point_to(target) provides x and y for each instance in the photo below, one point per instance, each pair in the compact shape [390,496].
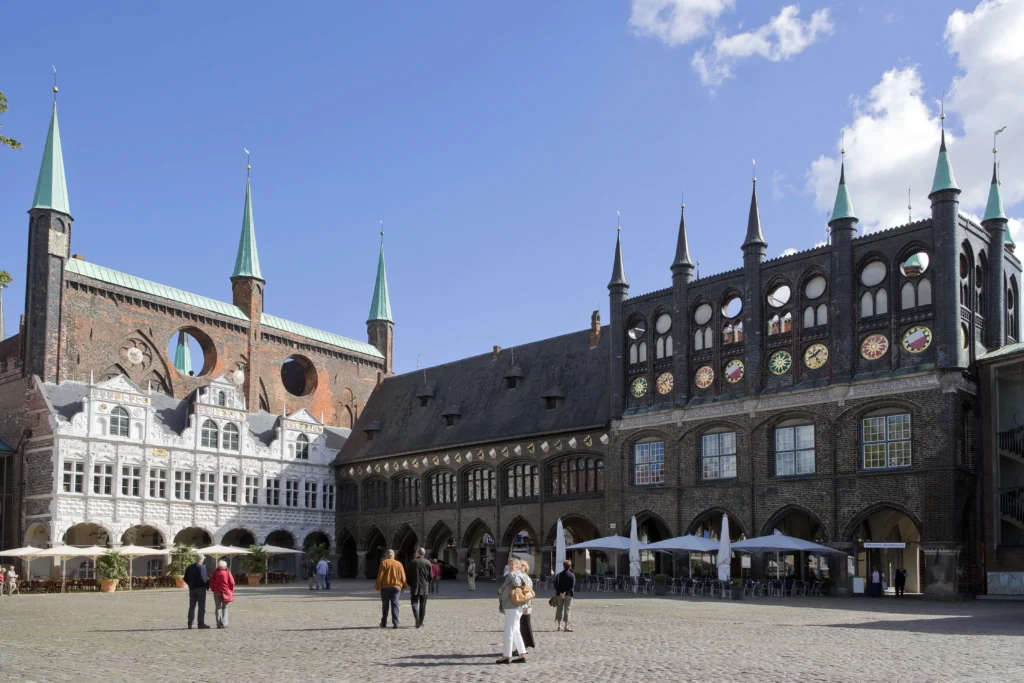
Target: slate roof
[490,411]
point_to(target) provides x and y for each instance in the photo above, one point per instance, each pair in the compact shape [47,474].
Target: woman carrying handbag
[525,626]
[512,595]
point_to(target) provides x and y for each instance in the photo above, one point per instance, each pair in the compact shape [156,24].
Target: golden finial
[753,164]
[618,225]
[942,110]
[682,201]
[381,229]
[842,146]
[248,167]
[54,83]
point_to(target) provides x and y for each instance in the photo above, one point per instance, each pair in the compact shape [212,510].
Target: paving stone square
[287,633]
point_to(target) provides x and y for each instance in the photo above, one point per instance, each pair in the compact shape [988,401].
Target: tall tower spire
[682,274]
[754,234]
[247,262]
[844,206]
[247,291]
[754,248]
[682,242]
[943,179]
[842,227]
[183,355]
[380,327]
[52,186]
[995,223]
[618,267]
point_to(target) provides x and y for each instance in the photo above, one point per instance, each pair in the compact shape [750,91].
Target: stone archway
[709,524]
[440,543]
[891,525]
[480,546]
[577,529]
[376,546]
[147,537]
[348,557]
[522,540]
[238,538]
[405,545]
[312,539]
[651,528]
[195,536]
[798,522]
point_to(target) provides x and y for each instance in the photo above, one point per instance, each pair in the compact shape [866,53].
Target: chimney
[595,328]
[495,352]
[78,257]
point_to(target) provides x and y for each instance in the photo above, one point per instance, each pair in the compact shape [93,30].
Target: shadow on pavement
[958,625]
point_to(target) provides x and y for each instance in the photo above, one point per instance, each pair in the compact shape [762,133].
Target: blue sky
[496,141]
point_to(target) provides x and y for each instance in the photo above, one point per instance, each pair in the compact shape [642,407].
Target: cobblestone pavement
[288,633]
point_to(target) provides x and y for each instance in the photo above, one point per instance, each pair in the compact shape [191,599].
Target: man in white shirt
[321,574]
[876,583]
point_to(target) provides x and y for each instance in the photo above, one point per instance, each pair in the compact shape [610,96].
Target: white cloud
[782,38]
[676,22]
[892,142]
[788,252]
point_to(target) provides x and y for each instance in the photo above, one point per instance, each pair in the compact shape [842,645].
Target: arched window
[230,438]
[727,335]
[643,352]
[874,300]
[441,488]
[375,495]
[908,297]
[773,325]
[118,422]
[659,347]
[809,317]
[576,476]
[522,481]
[407,493]
[668,344]
[479,485]
[209,435]
[221,399]
[708,338]
[302,447]
[698,340]
[823,314]
[881,301]
[348,497]
[1012,302]
[663,343]
[924,292]
[634,356]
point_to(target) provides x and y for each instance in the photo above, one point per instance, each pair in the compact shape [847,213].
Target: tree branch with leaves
[4,141]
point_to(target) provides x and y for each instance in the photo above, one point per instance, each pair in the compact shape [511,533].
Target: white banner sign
[885,545]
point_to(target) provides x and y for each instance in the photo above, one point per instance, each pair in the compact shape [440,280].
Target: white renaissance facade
[134,466]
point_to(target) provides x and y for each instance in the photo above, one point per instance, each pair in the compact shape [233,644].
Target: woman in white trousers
[513,612]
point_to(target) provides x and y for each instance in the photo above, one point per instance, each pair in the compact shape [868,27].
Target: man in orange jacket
[390,582]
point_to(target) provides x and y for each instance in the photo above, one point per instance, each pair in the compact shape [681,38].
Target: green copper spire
[944,179]
[52,187]
[183,356]
[994,208]
[844,206]
[247,263]
[380,307]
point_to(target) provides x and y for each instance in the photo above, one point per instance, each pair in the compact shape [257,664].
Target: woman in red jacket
[222,585]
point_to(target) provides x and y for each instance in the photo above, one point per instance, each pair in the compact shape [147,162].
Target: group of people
[8,581]
[221,584]
[320,575]
[899,581]
[515,598]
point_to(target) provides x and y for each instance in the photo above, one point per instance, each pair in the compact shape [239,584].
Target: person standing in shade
[565,581]
[900,582]
[419,585]
[321,574]
[197,581]
[876,583]
[222,585]
[390,582]
[435,577]
[471,574]
[327,576]
[525,626]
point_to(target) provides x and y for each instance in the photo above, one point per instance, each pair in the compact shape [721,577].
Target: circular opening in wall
[915,265]
[872,274]
[732,307]
[191,351]
[779,296]
[663,324]
[298,376]
[702,314]
[815,287]
[637,331]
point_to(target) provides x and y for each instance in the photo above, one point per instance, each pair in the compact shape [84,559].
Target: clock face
[917,339]
[734,371]
[638,387]
[874,346]
[815,356]
[704,377]
[664,383]
[780,362]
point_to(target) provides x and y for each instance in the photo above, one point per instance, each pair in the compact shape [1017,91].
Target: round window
[663,324]
[298,375]
[872,274]
[915,265]
[702,314]
[732,307]
[815,287]
[779,296]
[637,331]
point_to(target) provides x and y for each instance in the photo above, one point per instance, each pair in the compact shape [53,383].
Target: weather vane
[618,225]
[54,83]
[842,147]
[942,110]
[682,199]
[381,228]
[248,166]
[994,148]
[910,208]
[753,165]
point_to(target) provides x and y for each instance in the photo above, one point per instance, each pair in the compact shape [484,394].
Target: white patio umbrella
[688,544]
[559,544]
[133,551]
[219,551]
[724,551]
[634,554]
[780,543]
[64,552]
[613,544]
[278,550]
[26,553]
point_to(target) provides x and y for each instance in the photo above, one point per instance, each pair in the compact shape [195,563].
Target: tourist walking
[12,581]
[876,583]
[565,581]
[471,574]
[197,581]
[321,574]
[525,625]
[435,577]
[390,582]
[511,605]
[900,582]
[420,576]
[222,585]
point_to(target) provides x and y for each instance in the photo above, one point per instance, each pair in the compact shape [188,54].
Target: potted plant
[660,587]
[111,567]
[255,564]
[182,555]
[737,588]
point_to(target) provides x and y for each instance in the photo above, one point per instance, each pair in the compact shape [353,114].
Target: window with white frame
[328,497]
[207,486]
[103,479]
[157,483]
[74,476]
[209,435]
[718,455]
[794,450]
[273,492]
[131,481]
[155,567]
[252,490]
[310,494]
[182,485]
[302,447]
[229,488]
[221,399]
[886,441]
[291,493]
[118,422]
[648,463]
[229,440]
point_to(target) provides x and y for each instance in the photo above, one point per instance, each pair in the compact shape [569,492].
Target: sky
[497,142]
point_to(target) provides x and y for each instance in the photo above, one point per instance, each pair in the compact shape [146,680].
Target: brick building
[234,448]
[826,394]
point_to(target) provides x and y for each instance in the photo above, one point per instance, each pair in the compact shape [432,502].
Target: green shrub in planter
[182,555]
[256,561]
[659,578]
[317,552]
[111,566]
